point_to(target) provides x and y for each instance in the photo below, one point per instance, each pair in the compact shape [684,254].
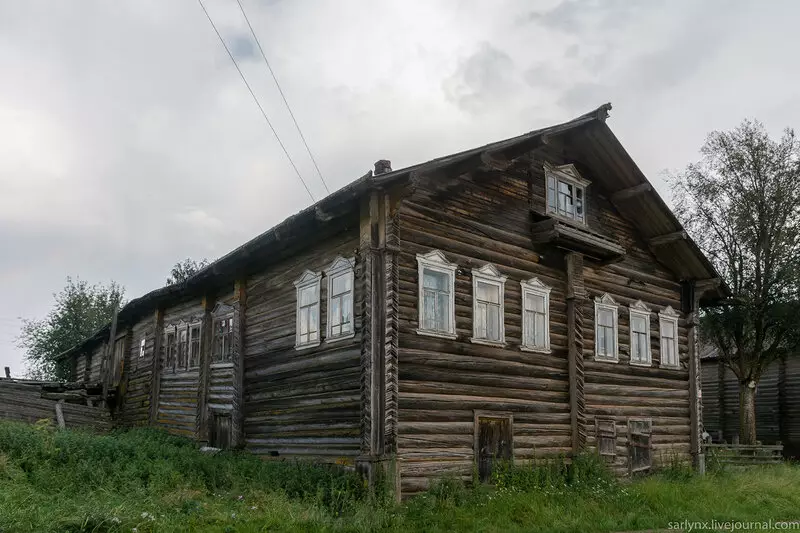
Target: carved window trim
[569,176]
[669,316]
[489,275]
[606,303]
[340,267]
[222,314]
[173,357]
[435,261]
[639,310]
[536,288]
[309,280]
[606,436]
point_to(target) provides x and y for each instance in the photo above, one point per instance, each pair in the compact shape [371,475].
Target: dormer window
[566,192]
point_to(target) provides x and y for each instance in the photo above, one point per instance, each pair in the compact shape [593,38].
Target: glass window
[669,341]
[223,339]
[183,348]
[535,315]
[436,301]
[308,309]
[142,345]
[340,298]
[565,193]
[487,311]
[194,346]
[640,333]
[605,315]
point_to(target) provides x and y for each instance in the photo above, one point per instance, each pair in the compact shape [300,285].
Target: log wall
[135,391]
[178,394]
[301,403]
[21,401]
[485,218]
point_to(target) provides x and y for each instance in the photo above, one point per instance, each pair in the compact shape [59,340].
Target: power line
[278,85]
[255,99]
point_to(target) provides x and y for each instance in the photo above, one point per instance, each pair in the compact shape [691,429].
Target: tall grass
[142,479]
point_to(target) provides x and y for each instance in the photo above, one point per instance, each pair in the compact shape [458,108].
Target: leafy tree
[741,202]
[80,310]
[185,269]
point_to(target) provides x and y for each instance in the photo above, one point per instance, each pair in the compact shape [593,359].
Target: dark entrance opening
[493,442]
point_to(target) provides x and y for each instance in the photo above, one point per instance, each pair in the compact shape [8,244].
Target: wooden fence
[743,454]
[25,401]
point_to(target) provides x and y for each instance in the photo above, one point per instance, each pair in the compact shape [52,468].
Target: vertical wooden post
[576,295]
[373,391]
[155,377]
[721,397]
[60,415]
[783,409]
[106,372]
[690,304]
[206,345]
[237,357]
[8,372]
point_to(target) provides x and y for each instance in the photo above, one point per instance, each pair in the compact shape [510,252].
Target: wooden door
[220,431]
[493,443]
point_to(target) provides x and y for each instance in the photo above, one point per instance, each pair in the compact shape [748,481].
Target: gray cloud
[128,142]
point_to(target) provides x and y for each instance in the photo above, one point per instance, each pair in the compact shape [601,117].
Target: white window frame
[639,309]
[606,303]
[308,279]
[566,174]
[142,346]
[339,267]
[489,275]
[222,313]
[669,315]
[535,287]
[437,262]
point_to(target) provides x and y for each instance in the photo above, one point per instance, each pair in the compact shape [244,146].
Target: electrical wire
[285,101]
[255,99]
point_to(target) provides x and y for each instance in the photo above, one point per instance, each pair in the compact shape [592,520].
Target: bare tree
[741,203]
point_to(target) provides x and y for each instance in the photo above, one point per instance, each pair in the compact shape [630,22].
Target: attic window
[566,192]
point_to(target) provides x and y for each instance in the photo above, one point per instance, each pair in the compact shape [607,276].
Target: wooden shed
[777,402]
[527,298]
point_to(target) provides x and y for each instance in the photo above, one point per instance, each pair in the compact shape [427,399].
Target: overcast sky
[128,141]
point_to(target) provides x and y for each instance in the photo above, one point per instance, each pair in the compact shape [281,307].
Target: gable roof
[631,194]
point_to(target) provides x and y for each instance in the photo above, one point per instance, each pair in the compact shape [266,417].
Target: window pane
[541,326]
[313,321]
[605,317]
[667,329]
[534,302]
[637,323]
[428,309]
[308,295]
[340,284]
[601,340]
[493,322]
[609,341]
[442,311]
[334,313]
[481,320]
[436,280]
[488,292]
[551,193]
[579,203]
[530,332]
[347,313]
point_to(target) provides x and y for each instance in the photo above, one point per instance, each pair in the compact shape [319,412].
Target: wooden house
[528,298]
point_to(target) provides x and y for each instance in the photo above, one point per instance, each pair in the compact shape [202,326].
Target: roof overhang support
[631,192]
[668,238]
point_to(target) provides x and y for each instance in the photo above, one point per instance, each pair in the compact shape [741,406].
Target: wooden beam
[155,376]
[667,238]
[576,294]
[206,342]
[491,161]
[631,192]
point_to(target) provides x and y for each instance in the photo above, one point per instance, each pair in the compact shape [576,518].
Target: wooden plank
[667,238]
[631,192]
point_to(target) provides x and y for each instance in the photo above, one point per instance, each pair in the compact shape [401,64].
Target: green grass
[73,481]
